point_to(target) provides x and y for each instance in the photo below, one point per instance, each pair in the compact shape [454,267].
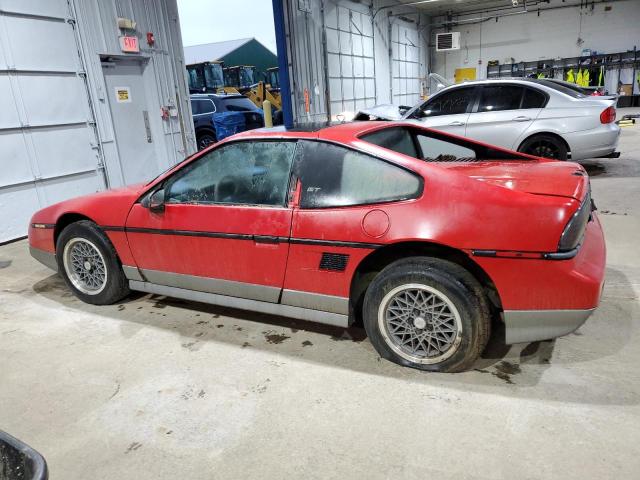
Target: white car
[538,117]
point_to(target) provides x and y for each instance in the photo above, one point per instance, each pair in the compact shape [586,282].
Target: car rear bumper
[597,142]
[544,299]
[524,326]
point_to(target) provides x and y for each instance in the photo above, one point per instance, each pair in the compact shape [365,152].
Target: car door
[346,204]
[448,111]
[504,113]
[225,224]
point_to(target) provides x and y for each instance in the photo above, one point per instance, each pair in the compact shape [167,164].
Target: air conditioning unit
[447,41]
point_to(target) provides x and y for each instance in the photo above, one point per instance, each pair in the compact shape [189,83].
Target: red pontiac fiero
[422,235]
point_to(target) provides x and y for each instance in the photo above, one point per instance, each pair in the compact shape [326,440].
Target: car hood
[562,179]
[380,112]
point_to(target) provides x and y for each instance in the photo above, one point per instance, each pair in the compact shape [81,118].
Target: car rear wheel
[428,314]
[89,264]
[205,139]
[546,146]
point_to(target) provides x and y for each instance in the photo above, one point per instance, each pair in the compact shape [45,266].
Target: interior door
[131,117]
[449,111]
[225,225]
[504,113]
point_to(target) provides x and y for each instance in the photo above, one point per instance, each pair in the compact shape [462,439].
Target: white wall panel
[405,62]
[41,44]
[14,151]
[551,34]
[50,8]
[53,99]
[49,131]
[9,117]
[340,51]
[64,150]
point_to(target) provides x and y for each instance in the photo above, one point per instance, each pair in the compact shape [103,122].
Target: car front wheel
[89,264]
[428,314]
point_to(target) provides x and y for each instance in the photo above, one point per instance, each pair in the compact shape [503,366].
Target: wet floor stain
[261,388]
[306,343]
[609,212]
[504,371]
[5,263]
[133,447]
[275,338]
[191,346]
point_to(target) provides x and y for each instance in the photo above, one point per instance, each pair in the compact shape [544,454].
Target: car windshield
[237,104]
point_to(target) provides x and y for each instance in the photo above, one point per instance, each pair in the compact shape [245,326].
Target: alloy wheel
[420,323]
[85,266]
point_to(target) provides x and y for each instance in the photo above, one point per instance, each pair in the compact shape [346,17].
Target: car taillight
[574,230]
[608,115]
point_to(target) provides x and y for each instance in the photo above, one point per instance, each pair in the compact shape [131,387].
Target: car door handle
[522,118]
[456,124]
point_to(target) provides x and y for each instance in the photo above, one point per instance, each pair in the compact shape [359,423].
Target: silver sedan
[538,117]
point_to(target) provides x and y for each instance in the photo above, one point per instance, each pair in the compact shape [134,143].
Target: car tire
[89,264]
[205,139]
[445,329]
[546,146]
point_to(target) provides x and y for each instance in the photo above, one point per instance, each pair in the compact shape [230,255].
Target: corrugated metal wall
[346,55]
[48,144]
[56,135]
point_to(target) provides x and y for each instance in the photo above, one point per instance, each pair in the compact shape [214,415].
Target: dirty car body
[423,236]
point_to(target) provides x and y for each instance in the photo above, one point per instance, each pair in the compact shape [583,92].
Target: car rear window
[562,89]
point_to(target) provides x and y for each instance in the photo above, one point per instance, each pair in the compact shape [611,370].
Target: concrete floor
[160,388]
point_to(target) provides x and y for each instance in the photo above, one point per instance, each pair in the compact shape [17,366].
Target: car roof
[343,132]
[217,96]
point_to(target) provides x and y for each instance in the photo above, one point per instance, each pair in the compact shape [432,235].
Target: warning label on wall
[123,94]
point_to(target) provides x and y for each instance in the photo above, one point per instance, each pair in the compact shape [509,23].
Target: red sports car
[422,235]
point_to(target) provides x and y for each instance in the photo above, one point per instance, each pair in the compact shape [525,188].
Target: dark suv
[207,107]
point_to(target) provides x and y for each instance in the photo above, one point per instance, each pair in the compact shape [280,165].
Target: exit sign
[129,44]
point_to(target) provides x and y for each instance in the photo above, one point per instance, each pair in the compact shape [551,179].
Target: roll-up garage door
[405,63]
[49,149]
[350,56]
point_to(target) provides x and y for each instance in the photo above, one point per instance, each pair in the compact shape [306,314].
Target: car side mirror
[156,201]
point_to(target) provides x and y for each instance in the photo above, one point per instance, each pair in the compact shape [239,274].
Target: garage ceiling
[442,7]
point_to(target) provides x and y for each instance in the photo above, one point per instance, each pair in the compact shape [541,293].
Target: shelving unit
[612,63]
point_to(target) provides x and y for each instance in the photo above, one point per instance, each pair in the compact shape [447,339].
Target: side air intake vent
[336,262]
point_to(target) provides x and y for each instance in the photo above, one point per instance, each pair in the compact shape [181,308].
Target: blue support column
[283,62]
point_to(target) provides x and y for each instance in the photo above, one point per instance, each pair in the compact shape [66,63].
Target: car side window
[244,173]
[396,139]
[201,106]
[452,102]
[436,150]
[195,106]
[334,176]
[495,98]
[533,99]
